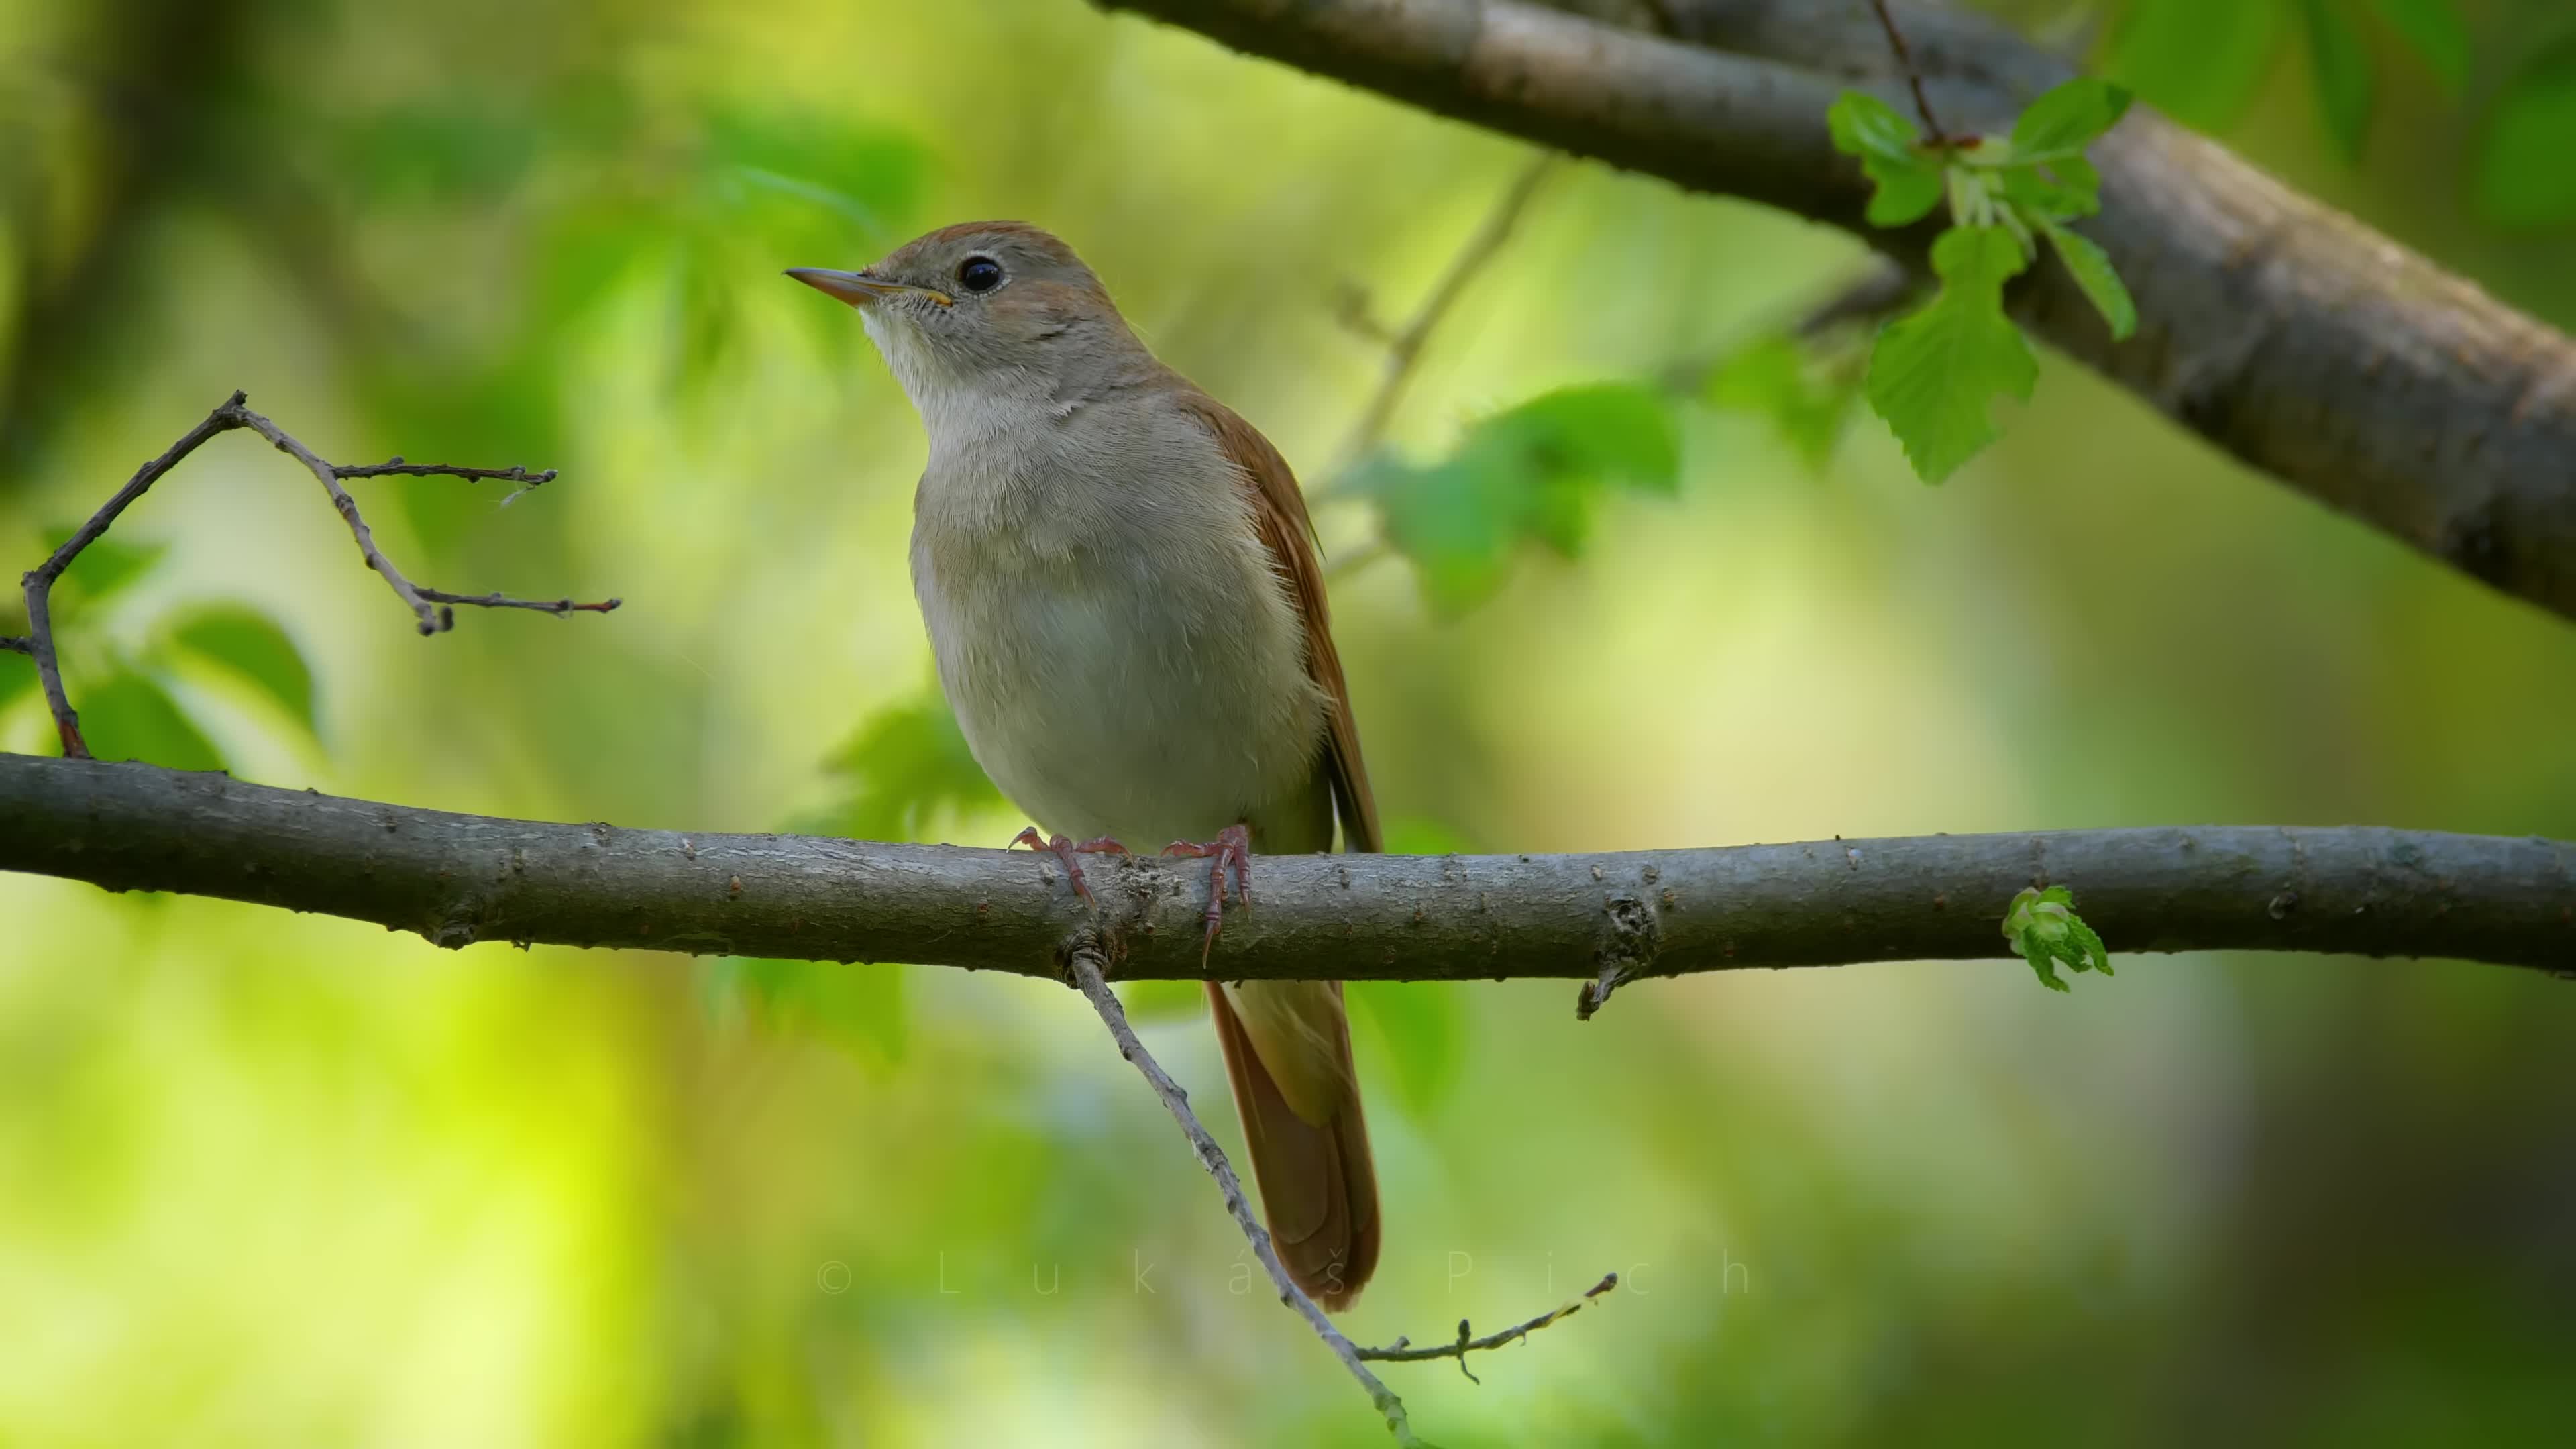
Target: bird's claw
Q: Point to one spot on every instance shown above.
(1065, 850)
(1232, 845)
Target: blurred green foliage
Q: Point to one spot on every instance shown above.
(274, 1178)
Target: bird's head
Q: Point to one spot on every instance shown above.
(982, 310)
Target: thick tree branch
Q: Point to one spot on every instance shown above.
(2292, 336)
(458, 879)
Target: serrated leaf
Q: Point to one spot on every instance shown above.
(908, 766)
(1530, 474)
(2525, 178)
(2091, 267)
(2199, 61)
(2340, 64)
(2043, 926)
(858, 1006)
(2067, 118)
(2437, 33)
(253, 646)
(129, 716)
(1421, 1022)
(1908, 182)
(1935, 372)
(1775, 378)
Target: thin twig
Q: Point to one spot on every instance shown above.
(1400, 1351)
(542, 606)
(430, 607)
(516, 473)
(1085, 964)
(427, 618)
(38, 583)
(1933, 134)
(1404, 348)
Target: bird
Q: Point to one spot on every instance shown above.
(1126, 607)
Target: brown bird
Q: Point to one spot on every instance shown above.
(1122, 590)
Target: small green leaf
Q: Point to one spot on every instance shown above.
(2436, 31)
(2340, 65)
(1935, 371)
(1420, 1021)
(2091, 267)
(2525, 176)
(253, 646)
(2199, 61)
(1908, 181)
(1865, 126)
(129, 716)
(1777, 378)
(2043, 927)
(907, 766)
(2067, 119)
(2066, 188)
(1531, 474)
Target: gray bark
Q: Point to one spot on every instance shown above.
(459, 879)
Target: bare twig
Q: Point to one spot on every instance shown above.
(496, 601)
(428, 606)
(1932, 131)
(1401, 1350)
(1085, 964)
(516, 473)
(1404, 346)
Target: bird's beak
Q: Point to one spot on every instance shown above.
(858, 288)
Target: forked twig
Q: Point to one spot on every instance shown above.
(431, 609)
(1401, 1350)
(1084, 964)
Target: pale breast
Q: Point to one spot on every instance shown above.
(1118, 647)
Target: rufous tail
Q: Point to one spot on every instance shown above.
(1287, 1050)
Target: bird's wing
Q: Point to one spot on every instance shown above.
(1279, 511)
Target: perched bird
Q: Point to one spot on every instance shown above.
(1122, 590)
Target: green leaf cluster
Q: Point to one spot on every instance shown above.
(2043, 927)
(1936, 371)
(1532, 474)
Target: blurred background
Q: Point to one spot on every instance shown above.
(273, 1179)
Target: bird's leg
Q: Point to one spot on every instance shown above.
(1232, 844)
(1065, 851)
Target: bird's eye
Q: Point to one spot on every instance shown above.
(979, 274)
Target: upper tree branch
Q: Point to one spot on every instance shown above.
(2290, 335)
(457, 879)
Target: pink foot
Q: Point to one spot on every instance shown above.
(1065, 851)
(1232, 844)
